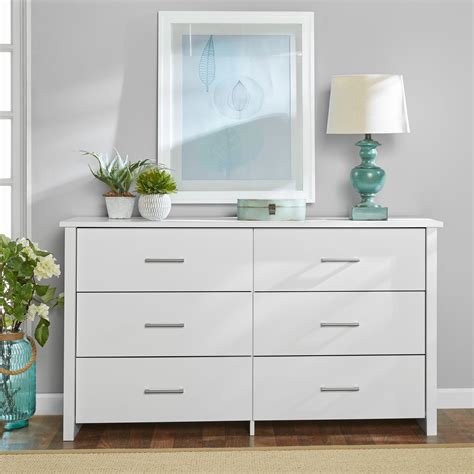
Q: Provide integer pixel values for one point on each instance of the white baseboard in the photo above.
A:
(52, 403)
(455, 397)
(49, 404)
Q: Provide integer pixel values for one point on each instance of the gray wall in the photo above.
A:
(94, 87)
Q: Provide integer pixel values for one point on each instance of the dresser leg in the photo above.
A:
(70, 431)
(431, 370)
(432, 425)
(252, 428)
(429, 424)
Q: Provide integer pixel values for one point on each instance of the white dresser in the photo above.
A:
(220, 320)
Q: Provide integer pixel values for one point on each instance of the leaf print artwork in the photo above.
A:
(239, 97)
(207, 64)
(234, 99)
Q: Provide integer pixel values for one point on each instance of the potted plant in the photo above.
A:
(154, 186)
(118, 174)
(23, 297)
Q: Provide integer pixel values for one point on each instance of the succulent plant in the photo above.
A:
(117, 173)
(156, 180)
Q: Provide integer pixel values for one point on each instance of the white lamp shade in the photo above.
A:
(369, 103)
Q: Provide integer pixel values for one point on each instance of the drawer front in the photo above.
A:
(339, 259)
(164, 324)
(325, 388)
(332, 323)
(164, 259)
(182, 389)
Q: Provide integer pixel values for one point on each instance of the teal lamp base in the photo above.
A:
(368, 179)
(16, 425)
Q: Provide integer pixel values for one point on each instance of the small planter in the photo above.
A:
(17, 380)
(120, 207)
(154, 207)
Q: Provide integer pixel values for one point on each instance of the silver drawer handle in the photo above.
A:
(340, 325)
(340, 389)
(149, 391)
(340, 260)
(164, 325)
(164, 260)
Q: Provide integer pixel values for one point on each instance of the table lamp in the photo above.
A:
(368, 104)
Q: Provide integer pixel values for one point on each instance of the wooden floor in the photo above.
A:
(45, 432)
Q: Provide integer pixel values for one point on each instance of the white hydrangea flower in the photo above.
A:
(32, 311)
(46, 268)
(43, 311)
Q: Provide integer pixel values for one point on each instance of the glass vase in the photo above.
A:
(17, 380)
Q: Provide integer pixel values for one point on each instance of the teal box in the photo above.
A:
(271, 209)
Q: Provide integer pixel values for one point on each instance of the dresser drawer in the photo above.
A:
(339, 259)
(181, 389)
(332, 323)
(164, 324)
(324, 388)
(164, 259)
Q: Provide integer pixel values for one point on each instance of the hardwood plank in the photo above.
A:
(163, 436)
(115, 436)
(331, 433)
(356, 433)
(265, 434)
(88, 437)
(141, 435)
(189, 435)
(237, 435)
(238, 441)
(213, 435)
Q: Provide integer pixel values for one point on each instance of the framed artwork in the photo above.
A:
(236, 104)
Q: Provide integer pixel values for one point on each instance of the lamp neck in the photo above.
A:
(368, 151)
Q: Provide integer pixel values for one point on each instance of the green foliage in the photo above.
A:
(118, 173)
(42, 332)
(22, 266)
(156, 180)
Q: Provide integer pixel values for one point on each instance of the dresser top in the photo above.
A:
(310, 222)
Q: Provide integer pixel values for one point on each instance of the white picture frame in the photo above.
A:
(174, 25)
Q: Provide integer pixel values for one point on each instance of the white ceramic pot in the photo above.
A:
(120, 207)
(154, 207)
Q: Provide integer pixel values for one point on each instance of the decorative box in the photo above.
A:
(271, 209)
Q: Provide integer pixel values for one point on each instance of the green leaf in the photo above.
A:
(7, 321)
(26, 270)
(27, 291)
(6, 253)
(42, 332)
(60, 301)
(49, 295)
(15, 263)
(19, 312)
(42, 253)
(4, 240)
(41, 290)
